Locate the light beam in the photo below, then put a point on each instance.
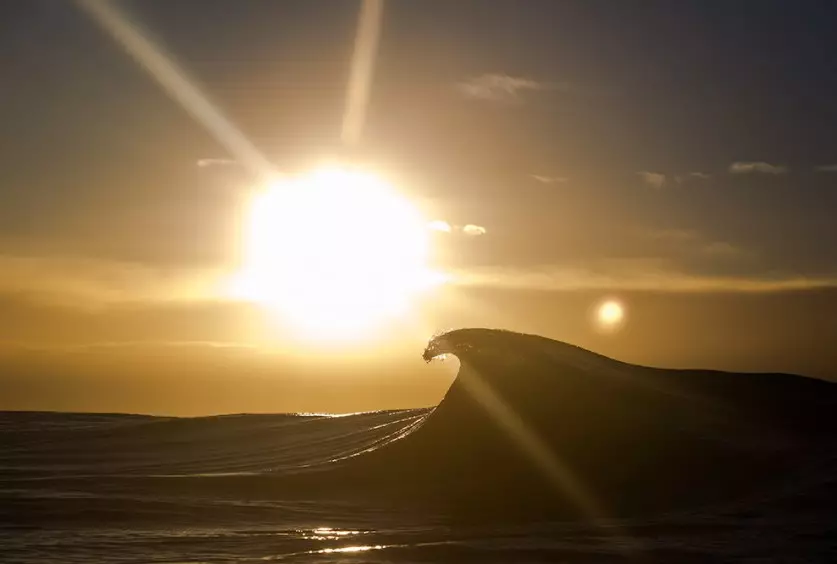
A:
(362, 70)
(176, 83)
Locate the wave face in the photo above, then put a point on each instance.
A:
(540, 426)
(531, 429)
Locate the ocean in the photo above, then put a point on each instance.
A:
(539, 452)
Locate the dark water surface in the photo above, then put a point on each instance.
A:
(540, 452)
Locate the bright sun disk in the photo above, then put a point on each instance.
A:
(334, 252)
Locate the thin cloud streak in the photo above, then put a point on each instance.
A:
(653, 179)
(549, 179)
(683, 178)
(469, 229)
(581, 279)
(493, 87)
(827, 168)
(78, 283)
(439, 225)
(92, 282)
(687, 240)
(750, 167)
(206, 163)
(130, 346)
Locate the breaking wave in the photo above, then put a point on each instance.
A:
(530, 427)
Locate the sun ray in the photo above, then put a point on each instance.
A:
(176, 84)
(542, 457)
(362, 71)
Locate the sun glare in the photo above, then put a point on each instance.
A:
(334, 252)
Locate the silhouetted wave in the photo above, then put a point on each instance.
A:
(531, 428)
(533, 425)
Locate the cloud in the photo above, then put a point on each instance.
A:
(672, 235)
(144, 346)
(473, 230)
(722, 249)
(499, 87)
(205, 163)
(681, 178)
(439, 225)
(827, 168)
(549, 179)
(692, 242)
(87, 282)
(749, 167)
(470, 229)
(653, 179)
(631, 275)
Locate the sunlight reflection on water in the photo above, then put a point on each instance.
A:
(349, 549)
(327, 533)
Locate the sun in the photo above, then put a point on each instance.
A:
(334, 252)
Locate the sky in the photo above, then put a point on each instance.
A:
(677, 157)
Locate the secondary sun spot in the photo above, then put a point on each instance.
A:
(610, 315)
(334, 252)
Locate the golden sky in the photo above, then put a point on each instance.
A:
(510, 176)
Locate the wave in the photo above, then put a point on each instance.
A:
(530, 427)
(536, 425)
(68, 445)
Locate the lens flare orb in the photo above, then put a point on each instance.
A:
(610, 315)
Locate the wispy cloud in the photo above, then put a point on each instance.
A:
(723, 249)
(686, 177)
(145, 345)
(204, 163)
(653, 179)
(439, 225)
(636, 275)
(500, 87)
(693, 242)
(82, 282)
(827, 168)
(672, 235)
(543, 179)
(473, 230)
(444, 227)
(749, 167)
